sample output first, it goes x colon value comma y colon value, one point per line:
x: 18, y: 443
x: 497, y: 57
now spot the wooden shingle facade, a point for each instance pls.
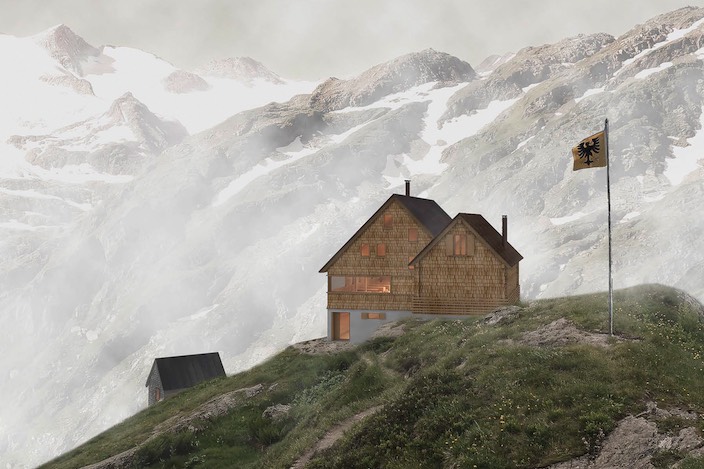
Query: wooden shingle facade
x: 411, y: 258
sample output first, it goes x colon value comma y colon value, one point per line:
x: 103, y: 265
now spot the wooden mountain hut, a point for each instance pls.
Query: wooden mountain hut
x: 171, y: 375
x: 412, y: 259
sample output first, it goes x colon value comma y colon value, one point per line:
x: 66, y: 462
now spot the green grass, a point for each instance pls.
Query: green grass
x: 455, y: 394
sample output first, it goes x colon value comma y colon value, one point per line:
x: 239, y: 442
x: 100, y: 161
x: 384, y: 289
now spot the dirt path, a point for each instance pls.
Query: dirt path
x: 334, y: 434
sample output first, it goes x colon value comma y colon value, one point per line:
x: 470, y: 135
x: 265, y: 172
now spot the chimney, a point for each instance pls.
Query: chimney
x: 504, y: 229
x: 408, y: 187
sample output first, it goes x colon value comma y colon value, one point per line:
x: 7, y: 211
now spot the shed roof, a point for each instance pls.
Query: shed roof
x: 427, y: 213
x: 484, y: 229
x: 187, y: 370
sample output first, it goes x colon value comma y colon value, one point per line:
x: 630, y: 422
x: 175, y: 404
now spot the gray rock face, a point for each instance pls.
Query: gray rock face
x: 67, y: 47
x: 391, y: 77
x: 181, y: 82
x: 244, y: 69
x: 636, y: 440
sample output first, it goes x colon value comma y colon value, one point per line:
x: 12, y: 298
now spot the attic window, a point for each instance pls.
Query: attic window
x: 365, y: 250
x: 460, y: 242
x: 460, y: 245
x: 388, y: 221
x: 381, y: 249
x: 412, y: 234
x: 457, y: 245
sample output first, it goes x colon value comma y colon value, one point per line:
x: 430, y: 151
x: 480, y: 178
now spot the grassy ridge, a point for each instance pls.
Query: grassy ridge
x: 455, y: 393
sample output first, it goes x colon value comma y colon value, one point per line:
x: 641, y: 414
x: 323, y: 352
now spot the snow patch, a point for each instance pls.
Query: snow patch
x: 629, y: 216
x: 686, y: 159
x: 673, y: 36
x: 32, y: 194
x: 203, y: 312
x: 451, y: 132
x: 416, y: 94
x: 568, y: 219
x: 530, y: 87
x: 649, y: 71
x: 524, y: 142
x: 590, y: 92
x: 79, y: 174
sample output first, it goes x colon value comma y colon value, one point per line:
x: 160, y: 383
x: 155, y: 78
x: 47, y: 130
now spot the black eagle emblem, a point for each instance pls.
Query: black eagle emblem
x: 587, y: 149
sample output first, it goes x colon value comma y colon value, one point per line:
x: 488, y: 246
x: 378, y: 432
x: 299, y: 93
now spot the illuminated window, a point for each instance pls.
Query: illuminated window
x: 410, y: 266
x: 412, y: 234
x: 460, y: 245
x: 365, y: 250
x: 381, y: 284
x: 373, y: 315
x: 381, y: 249
x: 388, y: 221
x: 457, y: 245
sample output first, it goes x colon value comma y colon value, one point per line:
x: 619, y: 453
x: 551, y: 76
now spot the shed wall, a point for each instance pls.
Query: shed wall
x: 153, y: 385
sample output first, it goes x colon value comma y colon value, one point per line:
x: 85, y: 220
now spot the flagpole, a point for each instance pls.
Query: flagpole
x: 608, y: 201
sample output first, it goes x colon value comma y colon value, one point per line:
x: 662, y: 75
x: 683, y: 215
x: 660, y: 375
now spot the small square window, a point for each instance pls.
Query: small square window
x: 373, y: 315
x: 388, y: 221
x: 412, y: 234
x: 364, y: 250
x: 381, y: 249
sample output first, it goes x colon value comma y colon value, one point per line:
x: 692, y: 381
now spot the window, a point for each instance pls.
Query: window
x: 351, y: 284
x: 410, y: 267
x: 412, y: 234
x: 157, y: 394
x: 381, y: 249
x: 373, y: 315
x: 388, y: 221
x: 458, y: 245
x: 365, y: 250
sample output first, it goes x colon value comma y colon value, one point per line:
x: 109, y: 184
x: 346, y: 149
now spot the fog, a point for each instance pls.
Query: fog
x: 164, y: 263
x: 320, y: 38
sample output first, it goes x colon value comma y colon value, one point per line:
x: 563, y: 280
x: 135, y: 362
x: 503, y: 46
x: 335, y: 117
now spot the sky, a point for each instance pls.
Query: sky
x: 315, y: 39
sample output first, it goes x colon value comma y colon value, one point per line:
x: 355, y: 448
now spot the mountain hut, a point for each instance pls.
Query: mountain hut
x: 412, y: 259
x: 171, y: 375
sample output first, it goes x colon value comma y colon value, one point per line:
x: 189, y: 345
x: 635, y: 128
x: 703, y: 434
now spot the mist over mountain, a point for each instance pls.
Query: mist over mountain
x: 149, y: 211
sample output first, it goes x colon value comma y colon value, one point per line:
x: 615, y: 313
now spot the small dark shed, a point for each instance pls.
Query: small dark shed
x: 171, y: 375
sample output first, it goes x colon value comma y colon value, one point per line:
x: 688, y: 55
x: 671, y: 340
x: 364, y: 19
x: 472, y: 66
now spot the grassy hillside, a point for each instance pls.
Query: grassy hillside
x: 534, y: 386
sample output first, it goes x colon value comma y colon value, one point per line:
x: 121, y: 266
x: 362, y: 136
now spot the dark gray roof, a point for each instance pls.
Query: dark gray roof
x: 487, y: 232
x: 187, y: 370
x: 428, y: 213
x: 492, y: 237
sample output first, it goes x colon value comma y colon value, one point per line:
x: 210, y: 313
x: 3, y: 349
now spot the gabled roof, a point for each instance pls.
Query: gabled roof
x: 484, y: 229
x: 187, y: 370
x: 429, y: 215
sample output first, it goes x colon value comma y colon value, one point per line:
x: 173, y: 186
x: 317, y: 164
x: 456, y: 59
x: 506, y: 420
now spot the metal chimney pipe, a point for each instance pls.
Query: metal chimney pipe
x: 504, y: 229
x: 408, y: 187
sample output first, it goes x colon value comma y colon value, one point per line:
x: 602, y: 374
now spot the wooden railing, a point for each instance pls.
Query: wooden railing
x: 457, y: 306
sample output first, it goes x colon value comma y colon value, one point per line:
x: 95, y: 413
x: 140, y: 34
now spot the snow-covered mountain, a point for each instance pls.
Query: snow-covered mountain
x: 149, y: 211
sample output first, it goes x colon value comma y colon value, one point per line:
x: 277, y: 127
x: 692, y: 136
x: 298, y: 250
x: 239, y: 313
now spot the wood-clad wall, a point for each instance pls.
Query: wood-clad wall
x: 398, y: 252
x: 463, y: 284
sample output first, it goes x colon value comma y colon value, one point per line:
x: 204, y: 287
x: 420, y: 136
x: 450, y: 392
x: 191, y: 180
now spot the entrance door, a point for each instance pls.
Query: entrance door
x: 340, y: 326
